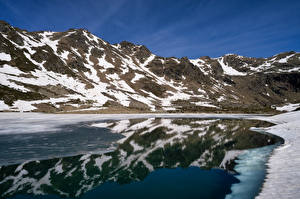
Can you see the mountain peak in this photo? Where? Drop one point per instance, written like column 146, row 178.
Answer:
column 127, row 44
column 5, row 27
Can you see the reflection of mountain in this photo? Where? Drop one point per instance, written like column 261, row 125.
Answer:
column 149, row 144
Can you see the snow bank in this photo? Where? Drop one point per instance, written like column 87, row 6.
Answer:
column 3, row 106
column 288, row 107
column 283, row 178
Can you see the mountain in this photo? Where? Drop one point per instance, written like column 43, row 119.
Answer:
column 75, row 71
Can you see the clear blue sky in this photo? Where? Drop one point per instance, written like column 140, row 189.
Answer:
column 192, row 28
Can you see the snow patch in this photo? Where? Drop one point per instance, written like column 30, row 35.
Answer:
column 285, row 60
column 200, row 64
column 229, row 70
column 105, row 64
column 137, row 77
column 288, row 107
column 7, row 69
column 205, row 104
column 3, row 106
column 5, row 57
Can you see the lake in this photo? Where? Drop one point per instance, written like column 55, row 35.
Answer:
column 152, row 157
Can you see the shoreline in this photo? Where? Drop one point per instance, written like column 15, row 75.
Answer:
column 251, row 171
column 278, row 145
column 105, row 112
column 284, row 160
column 237, row 162
column 268, row 167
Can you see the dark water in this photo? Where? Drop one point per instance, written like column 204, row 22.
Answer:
column 152, row 158
column 191, row 182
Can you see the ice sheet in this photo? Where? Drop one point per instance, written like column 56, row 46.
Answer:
column 12, row 123
column 283, row 178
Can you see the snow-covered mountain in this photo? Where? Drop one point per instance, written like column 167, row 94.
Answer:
column 77, row 71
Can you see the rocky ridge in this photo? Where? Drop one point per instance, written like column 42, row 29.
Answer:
column 76, row 71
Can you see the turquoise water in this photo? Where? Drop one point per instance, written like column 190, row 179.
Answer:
column 251, row 167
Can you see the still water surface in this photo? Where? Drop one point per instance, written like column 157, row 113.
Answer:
column 136, row 158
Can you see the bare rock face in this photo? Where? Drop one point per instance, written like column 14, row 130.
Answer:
column 76, row 70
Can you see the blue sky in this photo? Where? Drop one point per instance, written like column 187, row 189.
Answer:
column 192, row 28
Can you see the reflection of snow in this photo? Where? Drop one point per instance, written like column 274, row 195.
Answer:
column 135, row 146
column 230, row 155
column 175, row 132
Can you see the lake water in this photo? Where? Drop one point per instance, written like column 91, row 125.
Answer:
column 134, row 158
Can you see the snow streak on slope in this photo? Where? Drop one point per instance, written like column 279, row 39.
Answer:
column 229, row 70
column 200, row 64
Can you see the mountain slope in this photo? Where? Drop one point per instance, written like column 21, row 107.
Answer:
column 75, row 70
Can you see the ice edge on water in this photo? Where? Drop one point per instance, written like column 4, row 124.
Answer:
column 251, row 166
column 283, row 172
